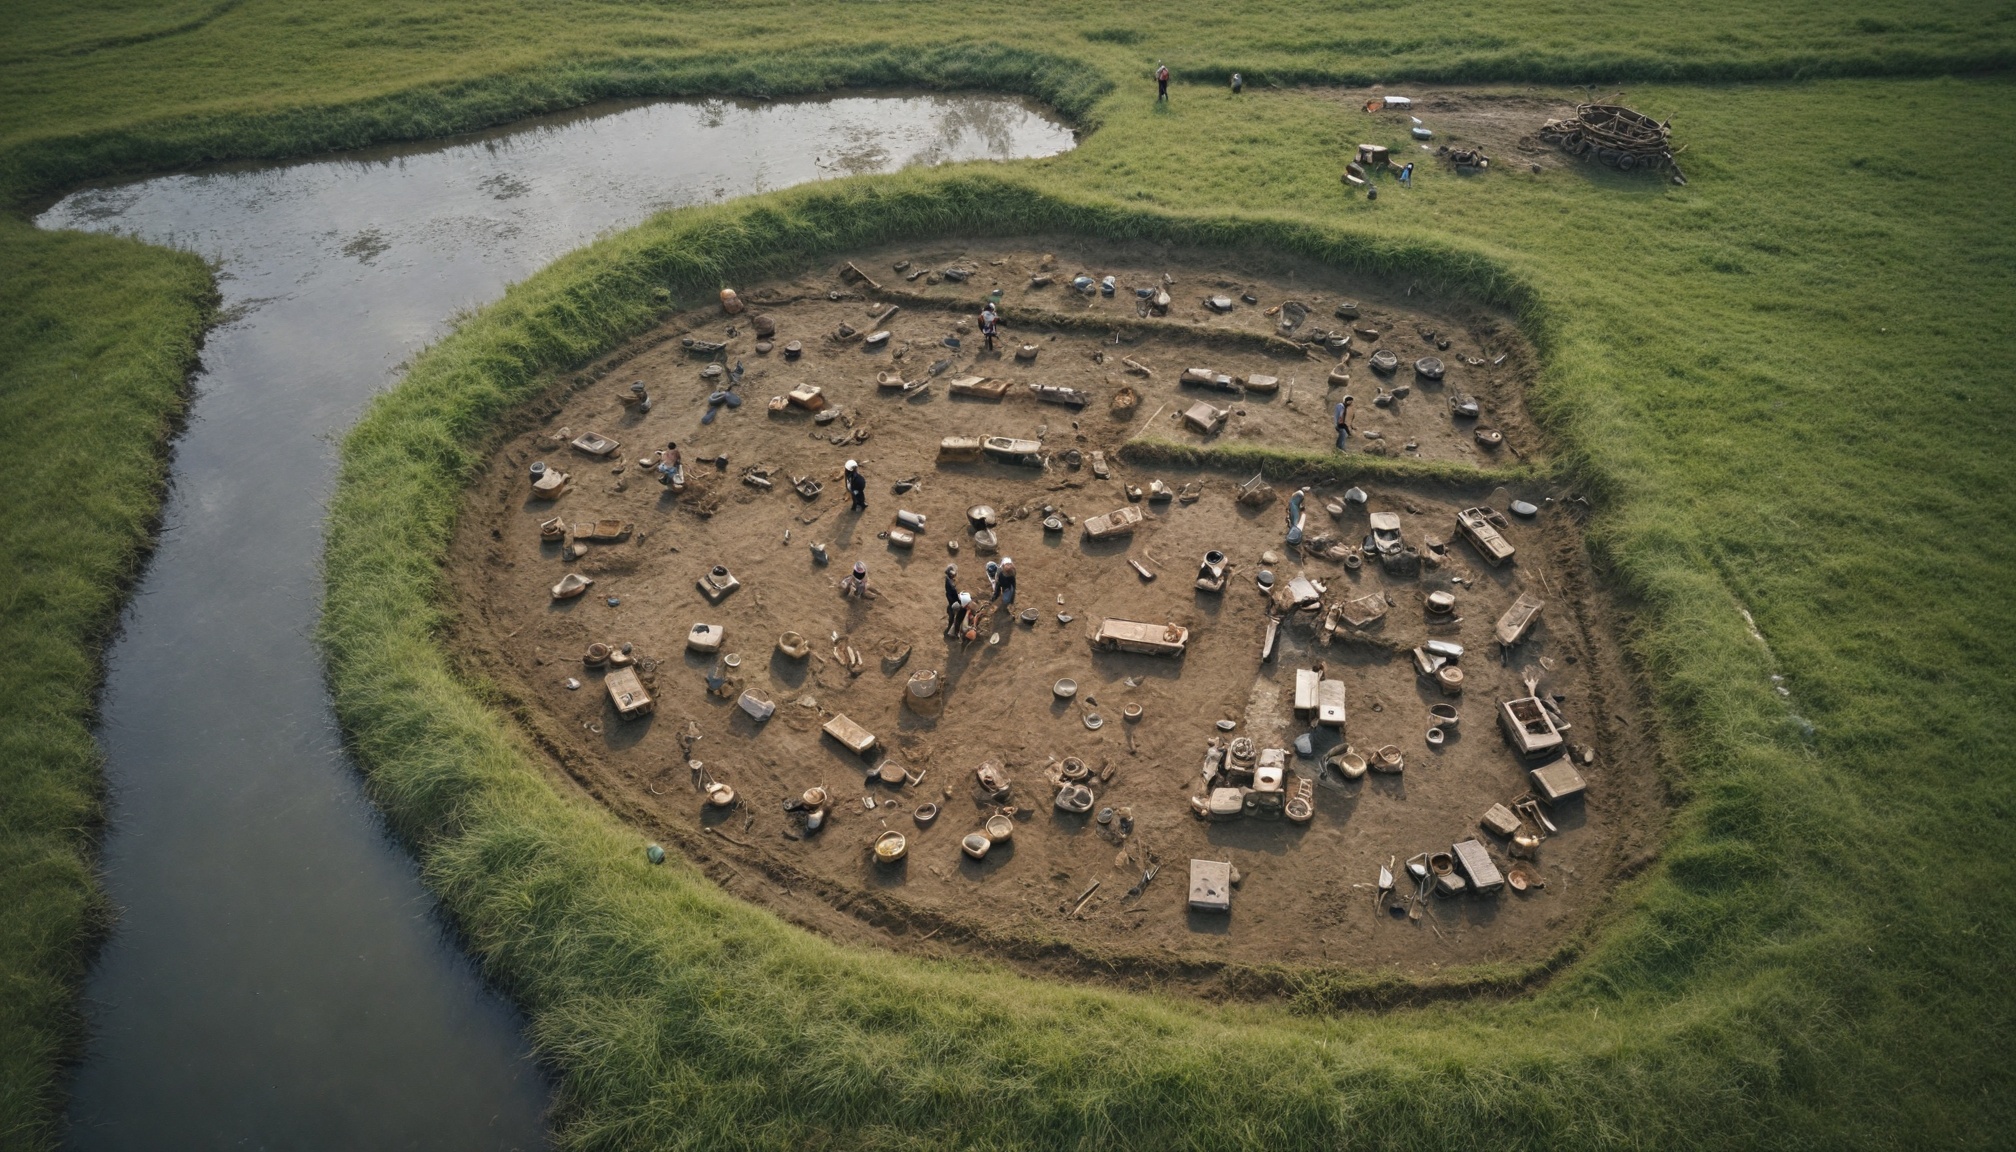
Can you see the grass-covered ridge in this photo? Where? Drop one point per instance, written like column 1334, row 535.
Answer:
column 94, row 353
column 1788, row 384
column 1759, row 983
column 104, row 86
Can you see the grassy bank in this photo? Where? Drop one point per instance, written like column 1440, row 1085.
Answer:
column 1759, row 985
column 1786, row 383
column 112, row 86
column 96, row 341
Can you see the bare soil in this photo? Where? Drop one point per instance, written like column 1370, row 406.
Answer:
column 1305, row 898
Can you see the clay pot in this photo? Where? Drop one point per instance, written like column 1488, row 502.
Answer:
column 890, row 847
column 1450, row 679
column 1445, row 716
column 1000, row 828
column 730, row 302
column 925, row 813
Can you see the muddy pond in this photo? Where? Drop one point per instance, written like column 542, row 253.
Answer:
column 278, row 977
column 1102, row 349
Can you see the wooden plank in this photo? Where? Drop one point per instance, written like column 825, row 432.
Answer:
column 857, row 739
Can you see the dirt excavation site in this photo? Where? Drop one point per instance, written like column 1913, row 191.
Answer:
column 1202, row 748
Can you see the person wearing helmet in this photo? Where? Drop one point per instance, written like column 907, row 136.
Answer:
column 989, row 324
column 856, row 584
column 1004, row 583
column 857, row 485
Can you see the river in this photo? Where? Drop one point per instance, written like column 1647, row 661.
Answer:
column 278, row 977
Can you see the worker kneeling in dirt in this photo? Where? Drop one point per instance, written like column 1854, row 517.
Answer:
column 969, row 618
column 856, row 584
column 671, row 469
column 1004, row 583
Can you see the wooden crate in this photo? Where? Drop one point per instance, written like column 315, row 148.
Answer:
column 1330, row 703
column 1211, row 885
column 1476, row 864
column 1305, row 690
column 1119, row 522
column 627, row 693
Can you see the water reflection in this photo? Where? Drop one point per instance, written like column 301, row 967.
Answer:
column 278, row 977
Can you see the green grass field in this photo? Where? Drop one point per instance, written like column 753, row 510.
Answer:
column 97, row 336
column 1787, row 383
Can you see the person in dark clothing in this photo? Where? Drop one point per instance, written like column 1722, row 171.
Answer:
column 1161, row 83
column 953, row 609
column 1004, row 584
column 988, row 322
column 857, row 486
column 1343, row 422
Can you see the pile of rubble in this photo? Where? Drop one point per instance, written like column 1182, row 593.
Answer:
column 1616, row 136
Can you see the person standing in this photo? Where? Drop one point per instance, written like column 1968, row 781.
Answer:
column 1161, row 83
column 1407, row 174
column 1004, row 584
column 953, row 608
column 1343, row 415
column 989, row 322
column 857, row 486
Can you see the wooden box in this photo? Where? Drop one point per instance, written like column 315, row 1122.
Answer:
column 979, row 386
column 1211, row 885
column 1557, row 781
column 627, row 693
column 857, row 739
column 1476, row 864
column 1305, row 690
column 1330, row 703
column 1119, row 522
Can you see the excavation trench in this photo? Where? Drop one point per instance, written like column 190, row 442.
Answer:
column 1307, row 901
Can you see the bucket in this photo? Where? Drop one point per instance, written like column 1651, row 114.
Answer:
column 1450, row 679
column 1065, row 688
column 976, row 845
column 1131, row 713
column 922, row 694
column 813, row 798
column 1000, row 828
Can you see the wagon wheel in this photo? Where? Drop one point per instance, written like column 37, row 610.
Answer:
column 1626, row 161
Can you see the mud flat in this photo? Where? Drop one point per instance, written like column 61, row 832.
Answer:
column 1305, row 897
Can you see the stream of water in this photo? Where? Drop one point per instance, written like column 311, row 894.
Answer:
column 279, row 978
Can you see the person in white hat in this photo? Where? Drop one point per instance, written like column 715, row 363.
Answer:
column 969, row 616
column 857, row 485
column 857, row 583
column 1004, row 583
